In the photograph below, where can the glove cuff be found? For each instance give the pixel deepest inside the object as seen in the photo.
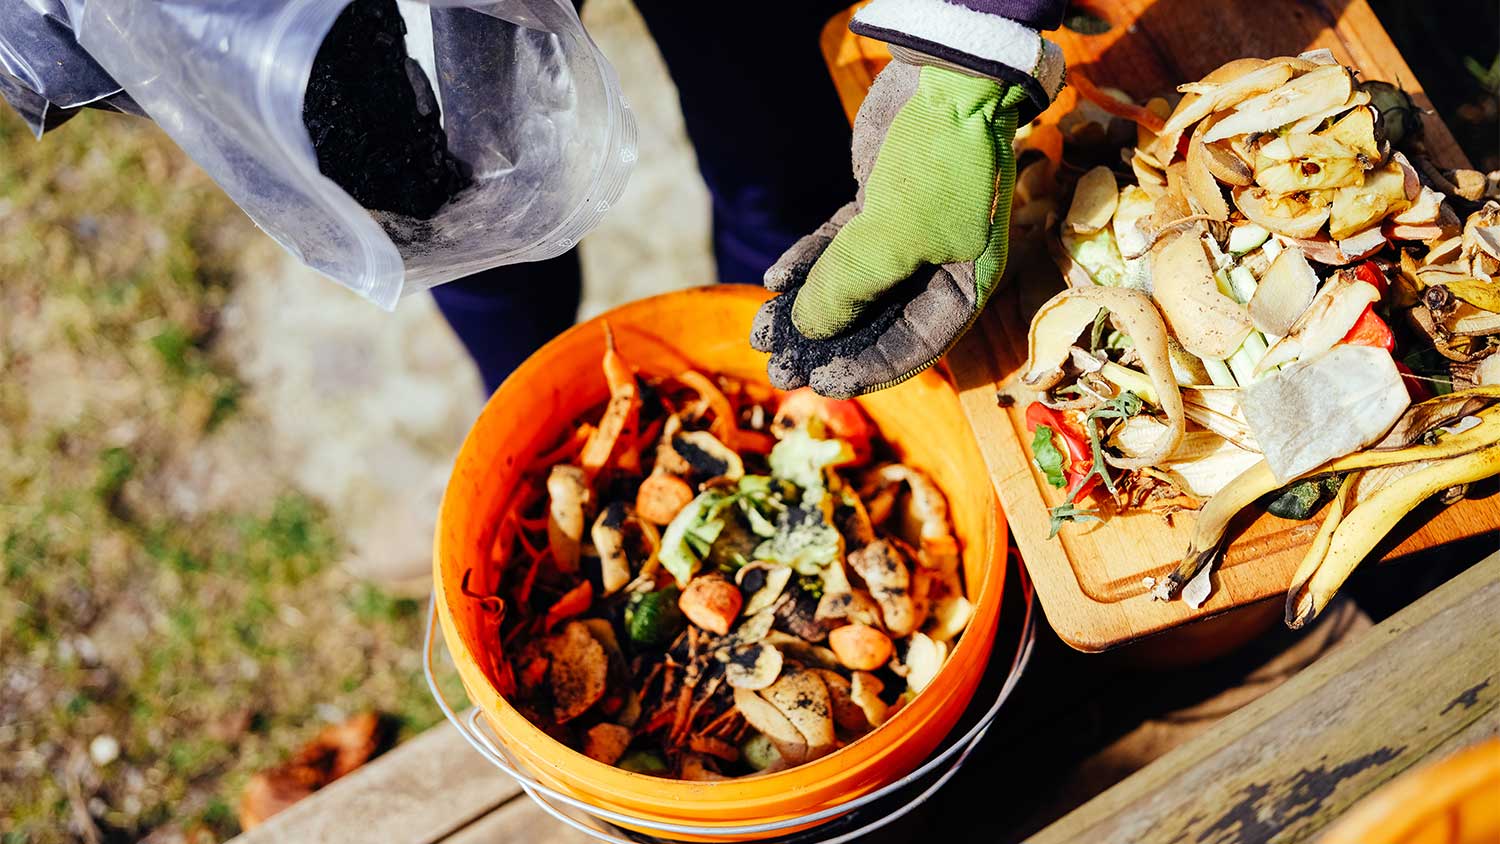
(973, 35)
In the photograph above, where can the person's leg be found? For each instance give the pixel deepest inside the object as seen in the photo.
(504, 314)
(771, 137)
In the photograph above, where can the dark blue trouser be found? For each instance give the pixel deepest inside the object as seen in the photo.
(772, 144)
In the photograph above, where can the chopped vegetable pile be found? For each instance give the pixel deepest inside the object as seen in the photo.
(1273, 296)
(715, 580)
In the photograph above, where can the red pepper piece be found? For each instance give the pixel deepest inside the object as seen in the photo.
(1369, 273)
(1371, 330)
(573, 602)
(1075, 444)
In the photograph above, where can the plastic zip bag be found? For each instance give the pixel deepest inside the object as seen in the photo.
(529, 104)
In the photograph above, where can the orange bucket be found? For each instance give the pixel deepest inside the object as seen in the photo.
(1453, 801)
(706, 329)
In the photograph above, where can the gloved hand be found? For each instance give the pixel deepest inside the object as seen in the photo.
(884, 288)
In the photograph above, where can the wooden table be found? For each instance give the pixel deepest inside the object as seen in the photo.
(1420, 686)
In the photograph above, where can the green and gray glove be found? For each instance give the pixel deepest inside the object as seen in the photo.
(884, 288)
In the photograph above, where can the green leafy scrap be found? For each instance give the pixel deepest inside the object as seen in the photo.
(1119, 408)
(1066, 513)
(691, 534)
(1048, 458)
(805, 539)
(802, 458)
(1096, 334)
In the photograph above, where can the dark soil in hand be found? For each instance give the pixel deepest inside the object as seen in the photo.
(803, 355)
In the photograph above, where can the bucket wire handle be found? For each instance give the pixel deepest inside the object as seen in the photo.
(476, 734)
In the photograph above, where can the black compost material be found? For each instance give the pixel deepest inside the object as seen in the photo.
(373, 118)
(801, 354)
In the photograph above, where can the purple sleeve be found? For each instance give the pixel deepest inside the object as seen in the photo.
(1037, 14)
(44, 74)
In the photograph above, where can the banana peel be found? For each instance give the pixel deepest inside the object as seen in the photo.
(1437, 412)
(1254, 483)
(1358, 532)
(1324, 537)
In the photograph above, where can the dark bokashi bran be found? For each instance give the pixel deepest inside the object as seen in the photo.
(702, 463)
(802, 355)
(373, 119)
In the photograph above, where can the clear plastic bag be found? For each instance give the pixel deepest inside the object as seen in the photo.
(529, 103)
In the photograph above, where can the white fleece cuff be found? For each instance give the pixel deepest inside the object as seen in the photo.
(988, 38)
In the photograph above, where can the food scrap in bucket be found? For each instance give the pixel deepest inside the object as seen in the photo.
(715, 579)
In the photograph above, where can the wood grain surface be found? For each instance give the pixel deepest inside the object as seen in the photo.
(419, 793)
(1090, 579)
(1422, 685)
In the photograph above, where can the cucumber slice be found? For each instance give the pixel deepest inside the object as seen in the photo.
(652, 618)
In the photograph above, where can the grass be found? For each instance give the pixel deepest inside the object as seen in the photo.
(207, 641)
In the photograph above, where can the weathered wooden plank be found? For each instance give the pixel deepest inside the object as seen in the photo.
(1425, 681)
(417, 793)
(519, 820)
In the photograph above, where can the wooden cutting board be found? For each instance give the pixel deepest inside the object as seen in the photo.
(1090, 578)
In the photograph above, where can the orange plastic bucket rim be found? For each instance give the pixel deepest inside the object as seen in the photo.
(705, 328)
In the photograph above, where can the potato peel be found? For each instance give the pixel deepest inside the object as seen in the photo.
(577, 671)
(1063, 317)
(1206, 322)
(1226, 165)
(1203, 188)
(1094, 201)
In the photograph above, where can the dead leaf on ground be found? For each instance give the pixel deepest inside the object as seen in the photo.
(337, 750)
